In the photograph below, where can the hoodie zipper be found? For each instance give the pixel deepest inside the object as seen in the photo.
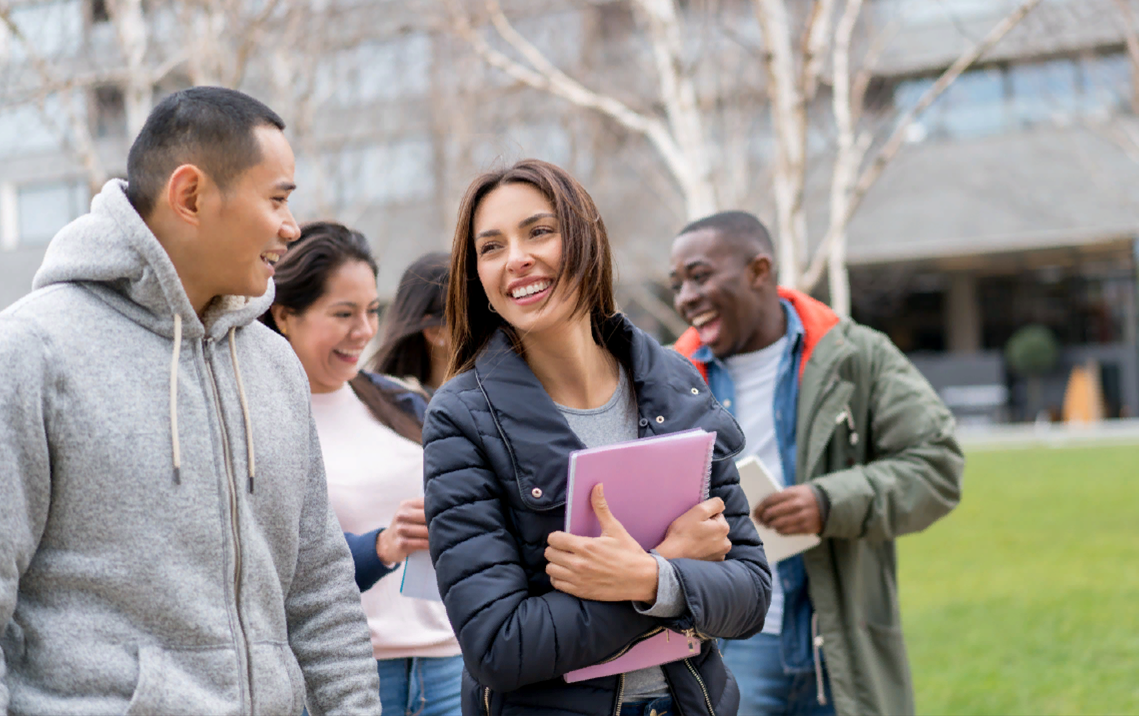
(242, 646)
(486, 699)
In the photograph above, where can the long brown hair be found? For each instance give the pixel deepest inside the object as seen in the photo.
(587, 262)
(418, 304)
(302, 278)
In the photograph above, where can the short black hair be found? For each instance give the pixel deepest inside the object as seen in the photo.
(209, 127)
(742, 230)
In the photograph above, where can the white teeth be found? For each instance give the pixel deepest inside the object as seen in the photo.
(349, 353)
(271, 256)
(703, 318)
(530, 290)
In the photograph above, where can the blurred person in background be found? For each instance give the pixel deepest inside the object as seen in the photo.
(543, 365)
(166, 543)
(370, 430)
(867, 451)
(416, 345)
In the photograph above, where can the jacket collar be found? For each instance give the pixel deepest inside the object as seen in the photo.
(817, 318)
(540, 440)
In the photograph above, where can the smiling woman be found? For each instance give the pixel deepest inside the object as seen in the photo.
(369, 428)
(543, 365)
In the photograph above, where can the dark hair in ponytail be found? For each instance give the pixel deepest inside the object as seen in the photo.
(302, 278)
(419, 303)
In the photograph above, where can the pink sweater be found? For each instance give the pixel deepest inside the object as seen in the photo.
(370, 471)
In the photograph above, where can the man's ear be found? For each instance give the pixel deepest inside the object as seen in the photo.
(184, 193)
(759, 270)
(281, 316)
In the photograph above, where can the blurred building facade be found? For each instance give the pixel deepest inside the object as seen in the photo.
(1012, 202)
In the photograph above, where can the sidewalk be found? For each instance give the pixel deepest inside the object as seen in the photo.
(999, 437)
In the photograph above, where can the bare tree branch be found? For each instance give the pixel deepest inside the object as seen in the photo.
(815, 42)
(679, 96)
(789, 120)
(847, 158)
(1132, 36)
(683, 156)
(80, 133)
(887, 152)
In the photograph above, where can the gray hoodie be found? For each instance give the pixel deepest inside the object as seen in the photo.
(166, 543)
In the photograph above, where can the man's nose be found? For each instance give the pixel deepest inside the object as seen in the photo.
(290, 231)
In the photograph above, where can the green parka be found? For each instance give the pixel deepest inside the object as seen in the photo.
(878, 441)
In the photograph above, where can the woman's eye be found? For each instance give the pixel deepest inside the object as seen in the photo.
(541, 230)
(343, 314)
(487, 247)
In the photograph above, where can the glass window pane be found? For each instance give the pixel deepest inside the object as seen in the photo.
(44, 209)
(973, 106)
(1044, 92)
(1107, 84)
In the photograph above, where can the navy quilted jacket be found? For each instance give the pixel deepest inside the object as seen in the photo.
(496, 451)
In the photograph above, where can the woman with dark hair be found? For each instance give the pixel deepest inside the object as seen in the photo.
(370, 429)
(415, 343)
(542, 365)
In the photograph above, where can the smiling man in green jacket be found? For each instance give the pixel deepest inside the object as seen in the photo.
(865, 447)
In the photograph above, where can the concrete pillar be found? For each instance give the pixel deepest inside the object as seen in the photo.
(962, 314)
(9, 217)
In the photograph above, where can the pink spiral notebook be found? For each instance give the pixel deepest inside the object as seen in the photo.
(648, 484)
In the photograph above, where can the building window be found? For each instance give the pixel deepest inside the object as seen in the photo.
(44, 209)
(994, 99)
(99, 11)
(108, 112)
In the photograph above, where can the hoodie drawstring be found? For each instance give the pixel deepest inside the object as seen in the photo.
(244, 405)
(174, 400)
(177, 447)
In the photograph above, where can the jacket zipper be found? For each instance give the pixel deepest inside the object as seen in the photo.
(620, 695)
(703, 688)
(486, 699)
(243, 646)
(630, 645)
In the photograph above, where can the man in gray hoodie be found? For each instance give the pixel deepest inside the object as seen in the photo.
(166, 543)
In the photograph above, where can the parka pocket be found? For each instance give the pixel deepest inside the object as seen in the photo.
(887, 668)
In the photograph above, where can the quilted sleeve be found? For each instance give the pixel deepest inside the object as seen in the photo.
(509, 638)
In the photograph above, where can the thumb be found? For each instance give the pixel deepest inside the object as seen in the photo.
(609, 523)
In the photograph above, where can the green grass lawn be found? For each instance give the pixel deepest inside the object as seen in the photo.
(1025, 600)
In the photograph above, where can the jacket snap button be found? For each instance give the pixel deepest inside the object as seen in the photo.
(695, 391)
(536, 492)
(644, 422)
(728, 403)
(660, 419)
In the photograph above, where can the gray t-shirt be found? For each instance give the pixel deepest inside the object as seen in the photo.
(615, 422)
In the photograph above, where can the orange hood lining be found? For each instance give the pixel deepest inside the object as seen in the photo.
(817, 318)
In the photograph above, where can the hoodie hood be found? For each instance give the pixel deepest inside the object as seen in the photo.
(115, 254)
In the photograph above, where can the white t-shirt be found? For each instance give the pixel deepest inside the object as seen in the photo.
(755, 375)
(371, 469)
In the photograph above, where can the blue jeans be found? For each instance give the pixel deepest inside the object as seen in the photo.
(421, 686)
(765, 689)
(655, 707)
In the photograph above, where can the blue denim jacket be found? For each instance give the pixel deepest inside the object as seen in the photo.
(796, 633)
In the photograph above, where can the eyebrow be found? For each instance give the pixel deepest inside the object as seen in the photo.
(353, 304)
(522, 224)
(285, 186)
